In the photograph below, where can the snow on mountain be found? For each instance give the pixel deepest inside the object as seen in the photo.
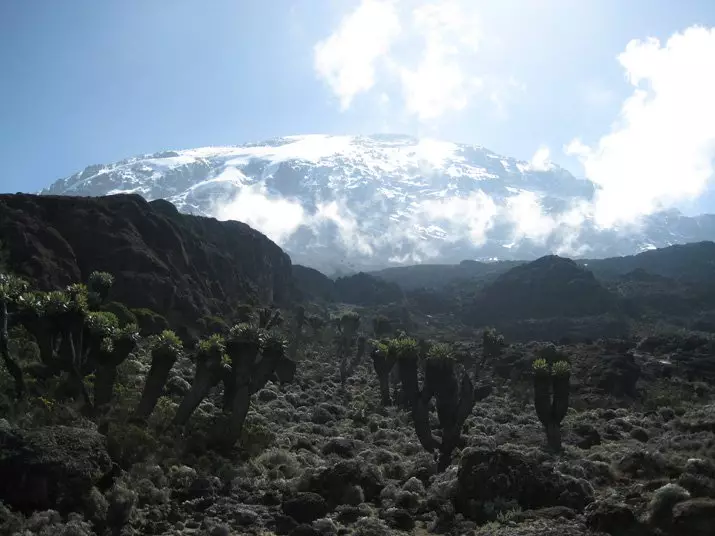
(348, 202)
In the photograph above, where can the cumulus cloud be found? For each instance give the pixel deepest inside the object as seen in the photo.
(346, 59)
(470, 217)
(441, 81)
(660, 152)
(434, 77)
(350, 234)
(277, 218)
(541, 159)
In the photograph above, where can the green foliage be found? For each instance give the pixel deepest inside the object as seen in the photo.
(245, 333)
(102, 324)
(382, 347)
(167, 344)
(275, 344)
(213, 348)
(440, 351)
(540, 366)
(561, 368)
(99, 284)
(405, 348)
(11, 287)
(551, 354)
(103, 327)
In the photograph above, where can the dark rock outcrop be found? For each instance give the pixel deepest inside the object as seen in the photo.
(53, 467)
(513, 476)
(183, 267)
(694, 517)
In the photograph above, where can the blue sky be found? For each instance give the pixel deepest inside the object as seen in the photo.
(85, 82)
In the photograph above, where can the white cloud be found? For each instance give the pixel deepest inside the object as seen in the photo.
(349, 232)
(346, 59)
(471, 217)
(277, 218)
(660, 152)
(441, 81)
(424, 50)
(527, 217)
(541, 159)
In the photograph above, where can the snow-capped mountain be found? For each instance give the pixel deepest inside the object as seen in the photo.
(347, 202)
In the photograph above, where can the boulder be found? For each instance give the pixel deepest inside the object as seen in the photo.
(52, 467)
(485, 473)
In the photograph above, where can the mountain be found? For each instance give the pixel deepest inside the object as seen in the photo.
(179, 266)
(345, 203)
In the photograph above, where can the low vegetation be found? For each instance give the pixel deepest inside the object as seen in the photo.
(258, 424)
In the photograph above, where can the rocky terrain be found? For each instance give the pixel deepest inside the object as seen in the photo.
(373, 404)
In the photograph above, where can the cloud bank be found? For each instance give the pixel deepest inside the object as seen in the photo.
(425, 48)
(661, 149)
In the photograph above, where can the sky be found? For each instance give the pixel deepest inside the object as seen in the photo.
(621, 93)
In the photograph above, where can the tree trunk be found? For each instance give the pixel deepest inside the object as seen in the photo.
(76, 373)
(153, 388)
(203, 381)
(46, 347)
(553, 436)
(385, 389)
(445, 458)
(241, 403)
(12, 366)
(104, 378)
(229, 389)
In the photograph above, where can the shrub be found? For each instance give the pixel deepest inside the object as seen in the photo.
(128, 444)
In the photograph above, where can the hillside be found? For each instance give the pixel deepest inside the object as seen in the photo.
(180, 266)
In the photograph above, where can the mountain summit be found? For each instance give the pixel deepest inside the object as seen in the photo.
(354, 202)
